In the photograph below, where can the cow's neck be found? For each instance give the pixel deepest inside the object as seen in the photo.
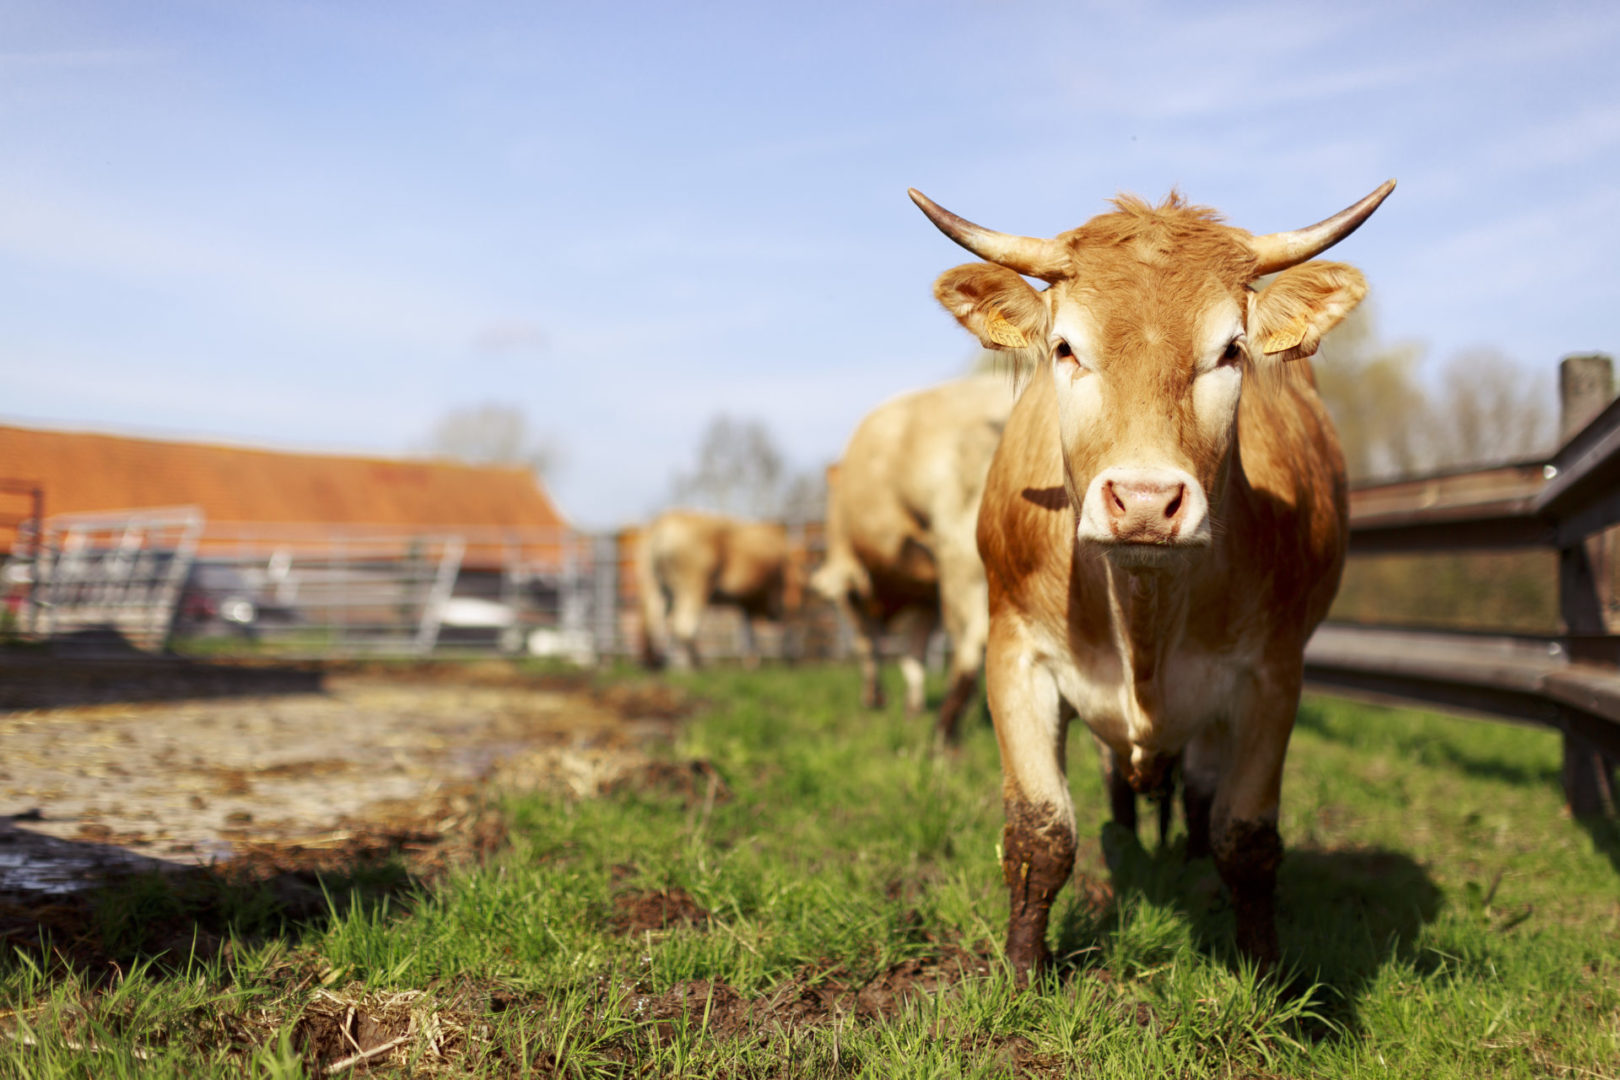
(1148, 615)
(1148, 609)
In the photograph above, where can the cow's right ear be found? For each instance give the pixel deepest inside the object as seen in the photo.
(997, 305)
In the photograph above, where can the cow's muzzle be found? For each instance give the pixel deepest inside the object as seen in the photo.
(1135, 508)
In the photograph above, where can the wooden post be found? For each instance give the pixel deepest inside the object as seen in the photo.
(1585, 387)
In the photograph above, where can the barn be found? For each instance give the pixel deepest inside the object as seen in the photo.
(151, 535)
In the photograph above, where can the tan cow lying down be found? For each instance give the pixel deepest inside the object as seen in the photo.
(902, 508)
(1163, 525)
(688, 560)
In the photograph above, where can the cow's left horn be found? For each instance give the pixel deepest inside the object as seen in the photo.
(1279, 251)
(1044, 259)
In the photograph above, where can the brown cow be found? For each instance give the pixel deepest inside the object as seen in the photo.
(1163, 525)
(902, 508)
(688, 560)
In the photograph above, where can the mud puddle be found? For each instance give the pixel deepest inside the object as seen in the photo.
(93, 791)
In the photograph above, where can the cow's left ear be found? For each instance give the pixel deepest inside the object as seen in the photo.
(1288, 317)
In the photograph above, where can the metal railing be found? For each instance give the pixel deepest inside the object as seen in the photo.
(121, 571)
(1571, 681)
(161, 577)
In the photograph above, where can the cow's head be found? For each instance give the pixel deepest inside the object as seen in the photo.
(1149, 329)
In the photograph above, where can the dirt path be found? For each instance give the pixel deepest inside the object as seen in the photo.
(96, 789)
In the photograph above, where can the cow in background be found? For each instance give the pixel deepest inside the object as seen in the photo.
(1163, 526)
(902, 506)
(688, 560)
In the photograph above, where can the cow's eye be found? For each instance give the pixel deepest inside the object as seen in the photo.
(1062, 351)
(1232, 352)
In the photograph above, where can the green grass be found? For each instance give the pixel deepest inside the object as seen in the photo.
(1441, 916)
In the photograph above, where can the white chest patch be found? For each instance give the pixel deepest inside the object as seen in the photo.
(1191, 689)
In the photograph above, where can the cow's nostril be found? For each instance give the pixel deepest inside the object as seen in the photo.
(1116, 505)
(1174, 506)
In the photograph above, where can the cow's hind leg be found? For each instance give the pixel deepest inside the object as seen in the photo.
(1038, 840)
(1164, 803)
(683, 625)
(1121, 796)
(965, 603)
(867, 630)
(1200, 775)
(748, 641)
(919, 628)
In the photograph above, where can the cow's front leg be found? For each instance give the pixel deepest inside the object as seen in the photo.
(1038, 840)
(1243, 819)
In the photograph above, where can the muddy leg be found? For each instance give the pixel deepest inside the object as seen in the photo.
(1247, 854)
(1038, 841)
(1243, 818)
(749, 643)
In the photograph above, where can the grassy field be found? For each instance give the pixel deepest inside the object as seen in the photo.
(823, 898)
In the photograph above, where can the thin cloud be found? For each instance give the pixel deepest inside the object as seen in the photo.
(237, 270)
(514, 336)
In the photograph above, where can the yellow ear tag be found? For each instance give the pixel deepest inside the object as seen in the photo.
(1285, 339)
(1002, 332)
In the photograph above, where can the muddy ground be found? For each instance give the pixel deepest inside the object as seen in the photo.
(230, 764)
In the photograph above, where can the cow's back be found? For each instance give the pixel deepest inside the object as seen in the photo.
(915, 465)
(756, 557)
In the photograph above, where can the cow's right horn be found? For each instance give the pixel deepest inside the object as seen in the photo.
(1279, 251)
(1044, 259)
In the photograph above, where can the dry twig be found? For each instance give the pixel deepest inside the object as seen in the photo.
(365, 1055)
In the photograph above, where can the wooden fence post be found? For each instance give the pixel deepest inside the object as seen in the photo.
(1585, 387)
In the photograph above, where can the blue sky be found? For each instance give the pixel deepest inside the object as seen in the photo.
(322, 225)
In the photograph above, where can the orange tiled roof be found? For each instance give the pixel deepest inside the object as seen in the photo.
(90, 472)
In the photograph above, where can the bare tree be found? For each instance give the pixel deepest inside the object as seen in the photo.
(804, 497)
(492, 434)
(739, 470)
(1489, 411)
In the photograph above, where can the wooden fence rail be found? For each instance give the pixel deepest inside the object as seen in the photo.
(1570, 682)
